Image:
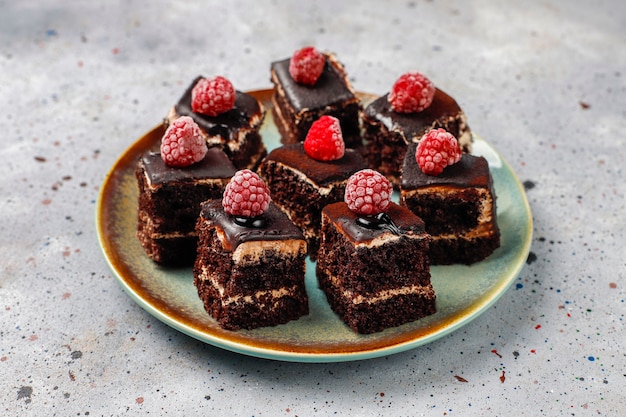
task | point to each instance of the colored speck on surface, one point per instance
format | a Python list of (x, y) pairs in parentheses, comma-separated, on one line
[(519, 286), (591, 358)]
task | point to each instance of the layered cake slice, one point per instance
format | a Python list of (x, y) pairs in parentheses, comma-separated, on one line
[(394, 120), (171, 190), (305, 177), (456, 200), (250, 267), (229, 119), (309, 85), (373, 260)]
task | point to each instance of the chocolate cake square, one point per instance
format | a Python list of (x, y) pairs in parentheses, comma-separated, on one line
[(375, 278), (297, 106), (250, 276), (458, 207), (301, 186), (169, 203), (236, 131), (388, 133)]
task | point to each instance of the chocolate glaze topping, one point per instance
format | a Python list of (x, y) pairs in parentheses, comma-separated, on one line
[(277, 225), (347, 221), (226, 124), (329, 89), (410, 124), (470, 171), (214, 165), (381, 221), (320, 172)]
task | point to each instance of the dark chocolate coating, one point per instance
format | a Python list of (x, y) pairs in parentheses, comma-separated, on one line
[(471, 171), (411, 124), (277, 225), (226, 124), (346, 221), (330, 88), (320, 172), (214, 165)]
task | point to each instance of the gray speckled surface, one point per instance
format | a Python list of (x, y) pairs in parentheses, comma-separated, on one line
[(543, 81)]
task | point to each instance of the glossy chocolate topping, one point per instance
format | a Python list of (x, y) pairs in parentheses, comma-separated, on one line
[(346, 221), (470, 171), (410, 124), (330, 88), (214, 165), (226, 124), (320, 172), (277, 225)]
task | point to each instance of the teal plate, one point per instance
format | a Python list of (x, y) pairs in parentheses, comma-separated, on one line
[(463, 292)]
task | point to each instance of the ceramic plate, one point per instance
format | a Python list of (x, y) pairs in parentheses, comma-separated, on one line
[(463, 292)]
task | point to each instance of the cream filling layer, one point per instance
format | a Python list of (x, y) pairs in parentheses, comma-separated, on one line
[(383, 295), (148, 227), (275, 294), (486, 201), (322, 190), (251, 252)]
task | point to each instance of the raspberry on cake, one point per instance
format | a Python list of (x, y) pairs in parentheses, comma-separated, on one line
[(250, 267), (394, 120), (374, 268), (306, 65), (228, 119), (304, 177), (298, 101), (213, 96), (172, 184), (182, 144), (455, 197)]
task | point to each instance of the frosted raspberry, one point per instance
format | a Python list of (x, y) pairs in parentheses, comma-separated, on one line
[(212, 96), (368, 192), (246, 195), (306, 65), (183, 143), (436, 150), (411, 93), (324, 141)]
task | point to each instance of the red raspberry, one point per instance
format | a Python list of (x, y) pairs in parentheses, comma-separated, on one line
[(411, 93), (212, 96), (306, 65), (183, 143), (246, 195), (436, 150), (368, 192), (324, 142)]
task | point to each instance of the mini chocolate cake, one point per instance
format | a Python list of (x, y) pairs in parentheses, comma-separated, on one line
[(375, 278), (297, 106), (236, 131), (250, 276), (301, 186), (169, 203), (388, 133), (458, 207)]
